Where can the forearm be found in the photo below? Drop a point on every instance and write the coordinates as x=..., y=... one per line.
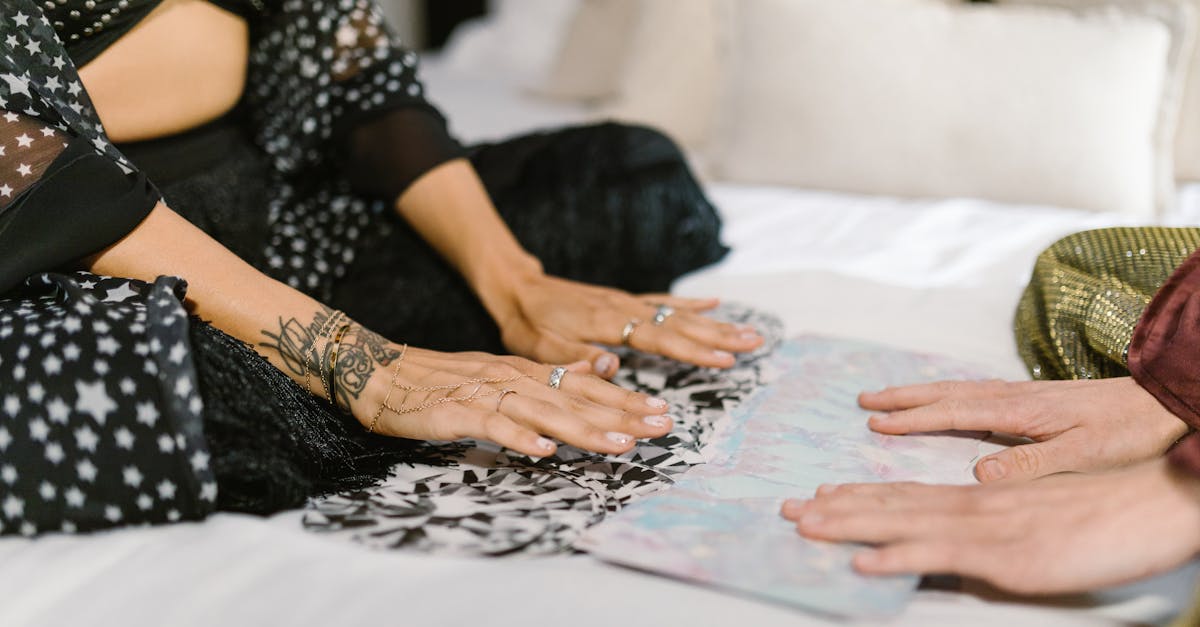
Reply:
x=450, y=208
x=222, y=289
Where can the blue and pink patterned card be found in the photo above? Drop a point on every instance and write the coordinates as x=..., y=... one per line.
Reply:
x=720, y=524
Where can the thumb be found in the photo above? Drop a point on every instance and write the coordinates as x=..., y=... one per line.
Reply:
x=1021, y=463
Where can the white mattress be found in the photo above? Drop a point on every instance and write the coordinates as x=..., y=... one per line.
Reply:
x=939, y=276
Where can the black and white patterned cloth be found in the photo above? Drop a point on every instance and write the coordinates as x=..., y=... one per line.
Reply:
x=479, y=499
x=100, y=417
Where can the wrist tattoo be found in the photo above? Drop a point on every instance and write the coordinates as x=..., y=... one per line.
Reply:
x=305, y=347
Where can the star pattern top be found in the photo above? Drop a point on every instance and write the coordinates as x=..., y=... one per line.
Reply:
x=101, y=419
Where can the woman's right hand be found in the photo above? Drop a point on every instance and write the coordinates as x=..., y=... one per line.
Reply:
x=585, y=411
x=1085, y=425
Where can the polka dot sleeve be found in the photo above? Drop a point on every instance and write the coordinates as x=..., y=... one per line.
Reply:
x=322, y=69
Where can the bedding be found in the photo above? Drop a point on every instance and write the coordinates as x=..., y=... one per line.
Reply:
x=938, y=276
x=918, y=98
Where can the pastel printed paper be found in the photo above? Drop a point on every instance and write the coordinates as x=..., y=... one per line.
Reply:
x=720, y=524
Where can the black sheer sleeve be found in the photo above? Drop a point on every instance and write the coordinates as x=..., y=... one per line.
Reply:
x=75, y=205
x=387, y=153
x=65, y=191
x=330, y=86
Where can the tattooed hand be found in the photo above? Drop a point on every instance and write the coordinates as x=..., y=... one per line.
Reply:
x=308, y=350
x=421, y=394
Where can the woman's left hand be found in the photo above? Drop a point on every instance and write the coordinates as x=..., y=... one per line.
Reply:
x=554, y=320
x=1064, y=533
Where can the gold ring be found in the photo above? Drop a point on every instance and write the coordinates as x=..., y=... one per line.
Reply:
x=500, y=399
x=627, y=332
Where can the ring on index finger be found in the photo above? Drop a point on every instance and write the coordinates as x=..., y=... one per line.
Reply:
x=661, y=315
x=556, y=376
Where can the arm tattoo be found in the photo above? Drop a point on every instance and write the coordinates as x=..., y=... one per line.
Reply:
x=362, y=351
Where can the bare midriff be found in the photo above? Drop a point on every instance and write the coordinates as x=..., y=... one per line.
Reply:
x=182, y=66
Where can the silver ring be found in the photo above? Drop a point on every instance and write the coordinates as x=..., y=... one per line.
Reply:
x=556, y=376
x=664, y=312
x=500, y=399
x=627, y=332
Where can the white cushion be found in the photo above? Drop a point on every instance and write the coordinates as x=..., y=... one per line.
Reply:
x=1187, y=142
x=1180, y=17
x=593, y=51
x=923, y=98
x=675, y=68
x=518, y=40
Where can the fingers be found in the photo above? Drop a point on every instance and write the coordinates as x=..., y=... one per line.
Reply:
x=1028, y=461
x=956, y=415
x=720, y=335
x=907, y=396
x=584, y=411
x=666, y=342
x=626, y=412
x=453, y=421
x=921, y=557
x=690, y=304
x=546, y=418
x=609, y=395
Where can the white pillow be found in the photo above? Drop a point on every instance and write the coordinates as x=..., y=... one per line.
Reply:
x=518, y=39
x=1187, y=141
x=1180, y=17
x=675, y=67
x=923, y=98
x=593, y=51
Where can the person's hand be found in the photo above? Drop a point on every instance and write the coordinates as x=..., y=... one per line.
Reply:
x=506, y=400
x=1059, y=534
x=554, y=320
x=1076, y=425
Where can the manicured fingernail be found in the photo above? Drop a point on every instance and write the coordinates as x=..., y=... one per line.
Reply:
x=605, y=363
x=656, y=402
x=811, y=520
x=723, y=355
x=658, y=421
x=992, y=469
x=749, y=336
x=826, y=489
x=880, y=418
x=619, y=438
x=545, y=444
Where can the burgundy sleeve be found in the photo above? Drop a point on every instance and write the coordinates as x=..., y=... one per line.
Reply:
x=1166, y=344
x=1186, y=455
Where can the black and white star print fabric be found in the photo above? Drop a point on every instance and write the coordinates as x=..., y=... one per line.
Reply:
x=27, y=148
x=100, y=415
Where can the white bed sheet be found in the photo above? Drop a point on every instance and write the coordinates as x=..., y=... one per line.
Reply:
x=939, y=276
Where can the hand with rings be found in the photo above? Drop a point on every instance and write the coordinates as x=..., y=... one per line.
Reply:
x=559, y=321
x=514, y=402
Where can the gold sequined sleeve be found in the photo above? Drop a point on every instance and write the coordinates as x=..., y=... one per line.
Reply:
x=1088, y=290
